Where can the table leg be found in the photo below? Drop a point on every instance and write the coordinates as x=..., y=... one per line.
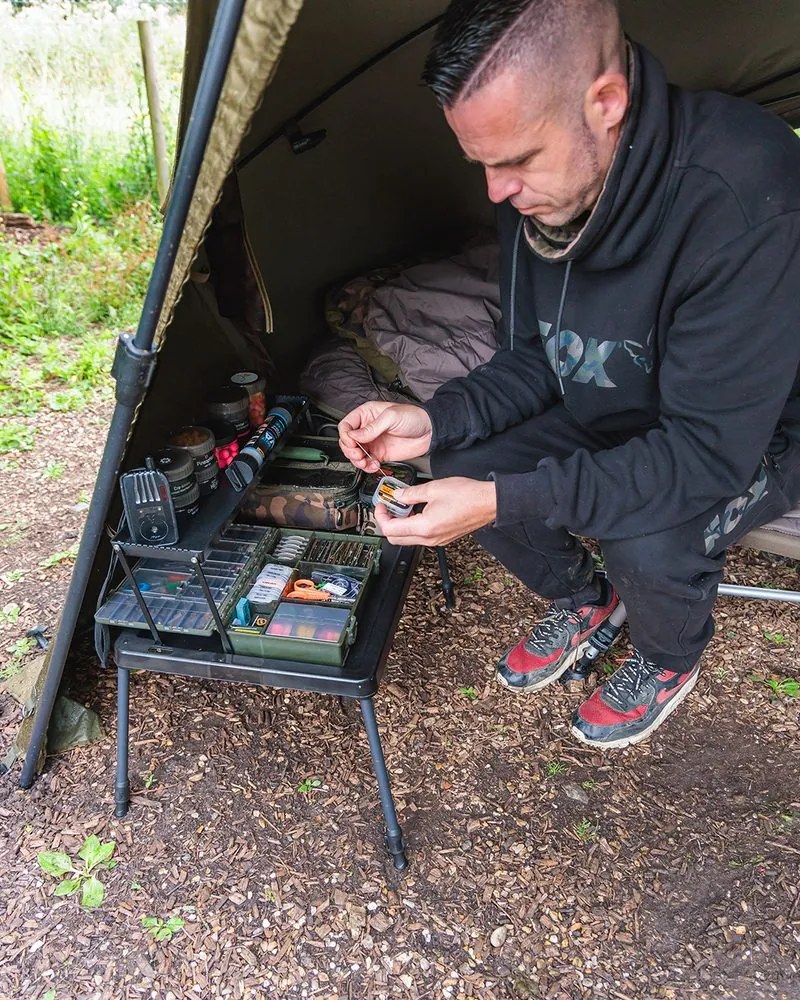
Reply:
x=122, y=788
x=444, y=571
x=394, y=835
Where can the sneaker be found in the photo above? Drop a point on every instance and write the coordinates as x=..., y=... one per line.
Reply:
x=633, y=702
x=559, y=640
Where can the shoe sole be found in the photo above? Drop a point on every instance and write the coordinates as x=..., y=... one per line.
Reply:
x=627, y=741
x=574, y=655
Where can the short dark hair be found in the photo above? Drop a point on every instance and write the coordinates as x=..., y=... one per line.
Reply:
x=476, y=39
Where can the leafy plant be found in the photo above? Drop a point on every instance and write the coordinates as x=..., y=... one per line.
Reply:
x=18, y=650
x=59, y=557
x=12, y=576
x=745, y=862
x=16, y=437
x=555, y=768
x=308, y=785
x=475, y=576
x=95, y=855
x=53, y=470
x=9, y=614
x=780, y=687
x=149, y=779
x=778, y=638
x=469, y=693
x=163, y=930
x=585, y=830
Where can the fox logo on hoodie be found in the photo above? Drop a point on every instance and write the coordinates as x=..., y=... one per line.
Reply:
x=585, y=362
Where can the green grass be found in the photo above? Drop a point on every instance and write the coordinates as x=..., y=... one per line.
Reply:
x=75, y=142
x=58, y=175
x=585, y=830
x=74, y=129
x=66, y=300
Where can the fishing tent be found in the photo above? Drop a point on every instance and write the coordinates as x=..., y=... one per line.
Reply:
x=309, y=152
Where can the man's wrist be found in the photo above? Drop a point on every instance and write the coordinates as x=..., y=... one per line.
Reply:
x=489, y=500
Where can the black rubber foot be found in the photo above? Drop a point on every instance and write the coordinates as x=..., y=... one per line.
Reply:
x=122, y=800
x=449, y=597
x=396, y=847
x=579, y=672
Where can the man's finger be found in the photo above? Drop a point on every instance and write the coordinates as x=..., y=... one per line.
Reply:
x=401, y=530
x=382, y=423
x=421, y=493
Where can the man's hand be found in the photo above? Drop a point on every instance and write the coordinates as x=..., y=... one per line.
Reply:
x=453, y=507
x=390, y=432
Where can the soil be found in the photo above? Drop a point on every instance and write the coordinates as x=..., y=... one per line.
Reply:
x=667, y=871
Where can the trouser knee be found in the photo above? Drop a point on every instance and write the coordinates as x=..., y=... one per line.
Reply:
x=669, y=589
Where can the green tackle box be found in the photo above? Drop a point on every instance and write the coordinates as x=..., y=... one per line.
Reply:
x=300, y=630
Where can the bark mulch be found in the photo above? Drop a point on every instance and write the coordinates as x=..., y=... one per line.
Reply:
x=540, y=868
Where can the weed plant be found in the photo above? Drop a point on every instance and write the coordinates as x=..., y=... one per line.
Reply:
x=74, y=131
x=75, y=141
x=66, y=300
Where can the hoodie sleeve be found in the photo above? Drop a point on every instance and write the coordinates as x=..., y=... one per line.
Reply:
x=731, y=358
x=515, y=384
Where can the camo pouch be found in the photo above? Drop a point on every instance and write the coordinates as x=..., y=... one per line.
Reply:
x=320, y=495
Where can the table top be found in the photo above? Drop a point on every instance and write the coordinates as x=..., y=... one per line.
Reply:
x=358, y=677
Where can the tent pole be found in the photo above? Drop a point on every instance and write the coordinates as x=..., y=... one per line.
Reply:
x=135, y=361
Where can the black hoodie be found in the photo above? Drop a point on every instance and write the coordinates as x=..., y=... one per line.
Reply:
x=675, y=315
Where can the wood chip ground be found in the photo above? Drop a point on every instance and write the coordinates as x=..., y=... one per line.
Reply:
x=667, y=871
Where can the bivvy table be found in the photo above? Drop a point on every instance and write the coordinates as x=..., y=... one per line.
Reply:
x=212, y=656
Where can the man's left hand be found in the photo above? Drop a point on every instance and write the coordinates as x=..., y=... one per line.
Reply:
x=453, y=507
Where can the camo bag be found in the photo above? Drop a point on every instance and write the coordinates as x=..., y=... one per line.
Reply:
x=320, y=495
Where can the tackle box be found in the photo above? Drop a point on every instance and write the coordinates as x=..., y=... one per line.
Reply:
x=173, y=593
x=303, y=630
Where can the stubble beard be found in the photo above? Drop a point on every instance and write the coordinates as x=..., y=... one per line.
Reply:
x=589, y=178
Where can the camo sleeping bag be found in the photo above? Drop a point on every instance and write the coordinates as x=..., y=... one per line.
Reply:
x=406, y=331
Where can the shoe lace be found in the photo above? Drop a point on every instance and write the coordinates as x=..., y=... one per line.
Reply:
x=550, y=628
x=624, y=685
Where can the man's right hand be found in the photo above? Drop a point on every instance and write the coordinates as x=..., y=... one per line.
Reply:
x=390, y=432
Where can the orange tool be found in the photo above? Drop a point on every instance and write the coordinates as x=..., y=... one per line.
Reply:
x=306, y=590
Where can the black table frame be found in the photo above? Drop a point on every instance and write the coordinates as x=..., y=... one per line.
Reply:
x=357, y=679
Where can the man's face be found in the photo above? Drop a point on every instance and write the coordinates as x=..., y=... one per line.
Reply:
x=548, y=164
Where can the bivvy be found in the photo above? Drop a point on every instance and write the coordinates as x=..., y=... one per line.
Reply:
x=308, y=153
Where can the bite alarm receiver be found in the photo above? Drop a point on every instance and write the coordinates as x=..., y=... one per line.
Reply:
x=148, y=506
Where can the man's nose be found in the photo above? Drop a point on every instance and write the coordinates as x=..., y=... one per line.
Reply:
x=501, y=184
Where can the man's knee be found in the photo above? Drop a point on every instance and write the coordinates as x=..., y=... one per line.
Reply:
x=656, y=560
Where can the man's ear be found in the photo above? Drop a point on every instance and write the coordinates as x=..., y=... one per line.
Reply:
x=606, y=102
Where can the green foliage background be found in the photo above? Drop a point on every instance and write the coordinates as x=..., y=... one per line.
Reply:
x=74, y=129
x=75, y=140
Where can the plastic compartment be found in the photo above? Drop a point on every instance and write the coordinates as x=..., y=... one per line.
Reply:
x=306, y=571
x=172, y=591
x=319, y=622
x=291, y=647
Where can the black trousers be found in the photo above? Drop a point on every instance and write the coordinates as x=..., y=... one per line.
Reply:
x=668, y=580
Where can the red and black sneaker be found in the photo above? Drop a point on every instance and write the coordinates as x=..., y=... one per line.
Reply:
x=633, y=702
x=558, y=641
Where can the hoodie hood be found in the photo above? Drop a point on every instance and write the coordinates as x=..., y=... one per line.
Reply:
x=631, y=207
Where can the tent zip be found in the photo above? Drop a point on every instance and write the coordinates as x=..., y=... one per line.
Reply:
x=135, y=361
